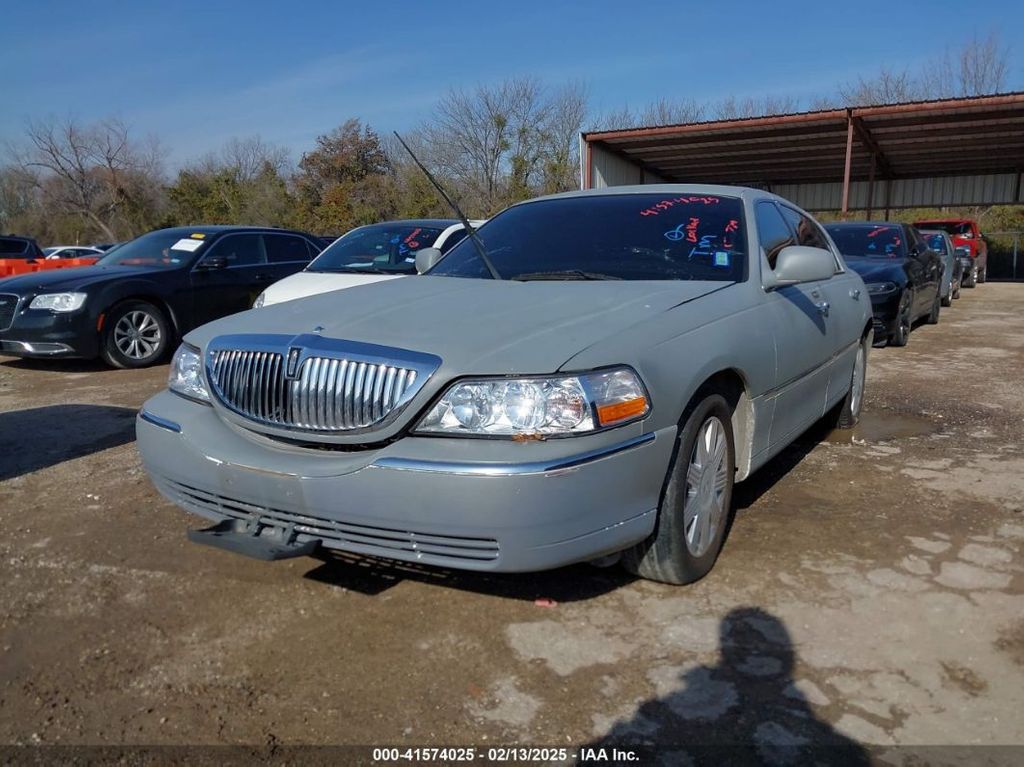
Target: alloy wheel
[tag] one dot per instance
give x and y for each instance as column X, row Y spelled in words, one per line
column 137, row 335
column 707, row 477
column 857, row 385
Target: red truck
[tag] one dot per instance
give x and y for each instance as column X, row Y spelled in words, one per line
column 964, row 233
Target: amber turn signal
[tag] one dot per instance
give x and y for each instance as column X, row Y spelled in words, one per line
column 621, row 411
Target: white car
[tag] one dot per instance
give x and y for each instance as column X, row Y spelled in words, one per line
column 72, row 251
column 367, row 254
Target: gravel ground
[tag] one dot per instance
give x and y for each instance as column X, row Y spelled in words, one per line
column 870, row 592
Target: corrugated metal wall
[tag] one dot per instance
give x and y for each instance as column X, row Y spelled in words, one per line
column 609, row 169
column 906, row 192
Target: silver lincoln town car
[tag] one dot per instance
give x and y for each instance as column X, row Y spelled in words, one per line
column 587, row 377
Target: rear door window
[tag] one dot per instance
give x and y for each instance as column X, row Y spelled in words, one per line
column 12, row 247
column 286, row 248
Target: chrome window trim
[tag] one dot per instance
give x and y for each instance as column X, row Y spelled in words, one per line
column 511, row 469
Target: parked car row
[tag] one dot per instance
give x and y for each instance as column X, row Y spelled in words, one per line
column 583, row 380
column 910, row 270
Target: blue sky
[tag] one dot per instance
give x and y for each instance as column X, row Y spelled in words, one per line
column 199, row 73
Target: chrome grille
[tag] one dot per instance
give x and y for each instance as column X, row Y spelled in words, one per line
column 340, row 387
column 8, row 306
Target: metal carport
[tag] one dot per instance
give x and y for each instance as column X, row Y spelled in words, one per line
column 965, row 151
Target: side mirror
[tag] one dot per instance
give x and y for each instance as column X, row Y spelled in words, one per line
column 426, row 258
column 213, row 262
column 800, row 263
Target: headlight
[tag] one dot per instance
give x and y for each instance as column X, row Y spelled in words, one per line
column 58, row 302
column 879, row 288
column 538, row 406
column 186, row 376
column 260, row 300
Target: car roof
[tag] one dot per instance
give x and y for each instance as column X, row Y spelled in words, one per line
column 864, row 223
column 185, row 231
column 437, row 223
column 742, row 192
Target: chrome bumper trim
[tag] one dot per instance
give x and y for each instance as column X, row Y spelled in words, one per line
column 510, row 469
column 163, row 423
column 35, row 347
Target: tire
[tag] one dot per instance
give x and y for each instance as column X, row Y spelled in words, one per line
column 933, row 315
column 848, row 413
column 947, row 300
column 971, row 278
column 136, row 334
column 983, row 274
column 901, row 334
column 957, row 287
column 695, row 506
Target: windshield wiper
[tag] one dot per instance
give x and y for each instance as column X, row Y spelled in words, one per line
column 356, row 270
column 473, row 236
column 565, row 274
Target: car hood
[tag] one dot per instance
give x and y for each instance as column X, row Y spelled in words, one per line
column 877, row 269
column 303, row 284
column 475, row 326
column 70, row 279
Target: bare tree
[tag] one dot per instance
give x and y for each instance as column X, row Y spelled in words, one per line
column 979, row 68
column 732, row 108
column 96, row 172
column 504, row 142
column 886, row 87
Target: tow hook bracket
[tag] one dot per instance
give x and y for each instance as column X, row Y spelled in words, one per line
column 254, row 538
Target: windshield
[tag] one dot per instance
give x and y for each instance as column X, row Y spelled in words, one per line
column 383, row 248
column 936, row 242
column 159, row 250
column 616, row 236
column 957, row 228
column 868, row 240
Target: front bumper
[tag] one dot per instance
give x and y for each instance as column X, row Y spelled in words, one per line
column 484, row 505
column 885, row 309
column 40, row 333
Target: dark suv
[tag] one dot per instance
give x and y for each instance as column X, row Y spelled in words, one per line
column 133, row 305
column 12, row 246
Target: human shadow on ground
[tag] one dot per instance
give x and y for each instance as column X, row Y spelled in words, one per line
column 745, row 710
column 40, row 437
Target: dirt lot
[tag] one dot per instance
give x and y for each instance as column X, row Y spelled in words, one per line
column 870, row 589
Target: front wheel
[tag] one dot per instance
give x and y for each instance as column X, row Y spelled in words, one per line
column 947, row 300
column 848, row 413
column 933, row 315
column 971, row 279
column 901, row 333
column 694, row 510
column 136, row 334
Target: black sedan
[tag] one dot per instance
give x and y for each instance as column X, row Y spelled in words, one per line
column 902, row 274
column 137, row 300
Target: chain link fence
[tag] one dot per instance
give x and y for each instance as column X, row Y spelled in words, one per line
column 1005, row 255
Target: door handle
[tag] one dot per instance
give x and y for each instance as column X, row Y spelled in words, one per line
column 823, row 308
column 855, row 294
column 262, row 276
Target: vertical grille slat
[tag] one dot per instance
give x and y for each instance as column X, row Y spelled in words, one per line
column 327, row 394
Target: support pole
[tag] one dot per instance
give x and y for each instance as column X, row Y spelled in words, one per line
column 888, row 195
column 871, row 186
column 849, row 157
